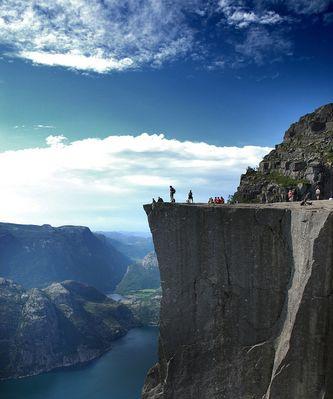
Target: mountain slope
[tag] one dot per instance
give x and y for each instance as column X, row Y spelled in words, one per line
column 35, row 256
column 133, row 245
column 302, row 162
column 140, row 275
column 64, row 324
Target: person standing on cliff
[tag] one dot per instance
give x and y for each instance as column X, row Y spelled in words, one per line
column 190, row 197
column 172, row 194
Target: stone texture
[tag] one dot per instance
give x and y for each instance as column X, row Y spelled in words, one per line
column 65, row 324
column 302, row 161
column 247, row 306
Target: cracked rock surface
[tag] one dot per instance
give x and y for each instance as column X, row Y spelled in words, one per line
column 247, row 309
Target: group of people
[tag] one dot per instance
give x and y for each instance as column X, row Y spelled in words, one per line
column 172, row 190
column 292, row 194
column 172, row 197
column 216, row 201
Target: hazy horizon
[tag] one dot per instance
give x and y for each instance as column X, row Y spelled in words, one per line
column 103, row 105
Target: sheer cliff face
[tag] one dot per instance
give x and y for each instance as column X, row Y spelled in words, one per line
column 247, row 308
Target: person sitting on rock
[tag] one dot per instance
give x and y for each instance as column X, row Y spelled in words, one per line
column 210, row 201
column 318, row 193
column 291, row 195
column 172, row 194
column 305, row 200
column 222, row 200
column 160, row 200
column 190, row 197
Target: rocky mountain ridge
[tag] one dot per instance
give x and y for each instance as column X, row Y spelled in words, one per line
column 303, row 161
column 36, row 256
column 65, row 324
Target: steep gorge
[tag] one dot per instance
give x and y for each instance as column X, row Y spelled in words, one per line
column 247, row 308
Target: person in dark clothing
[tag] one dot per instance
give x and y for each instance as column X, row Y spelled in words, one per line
column 160, row 200
column 172, row 194
column 190, row 197
column 305, row 200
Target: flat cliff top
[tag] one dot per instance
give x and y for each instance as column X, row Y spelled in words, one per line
column 326, row 205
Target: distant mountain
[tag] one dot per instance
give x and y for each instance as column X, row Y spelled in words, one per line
column 36, row 256
column 145, row 305
column 134, row 245
column 64, row 324
column 140, row 275
column 141, row 289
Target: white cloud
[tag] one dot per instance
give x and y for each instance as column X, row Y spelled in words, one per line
column 260, row 45
column 108, row 35
column 238, row 15
column 308, row 6
column 54, row 141
column 41, row 126
column 95, row 35
column 104, row 182
column 77, row 61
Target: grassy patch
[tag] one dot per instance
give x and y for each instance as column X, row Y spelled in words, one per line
column 285, row 181
column 329, row 156
column 144, row 294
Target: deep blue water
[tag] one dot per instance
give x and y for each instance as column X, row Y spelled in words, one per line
column 119, row 374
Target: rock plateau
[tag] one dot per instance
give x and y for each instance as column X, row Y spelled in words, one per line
column 247, row 305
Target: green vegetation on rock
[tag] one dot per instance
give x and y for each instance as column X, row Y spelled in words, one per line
column 302, row 161
column 140, row 276
column 141, row 290
column 64, row 324
column 145, row 305
column 285, row 181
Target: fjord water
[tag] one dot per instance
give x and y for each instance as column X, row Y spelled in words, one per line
column 119, row 374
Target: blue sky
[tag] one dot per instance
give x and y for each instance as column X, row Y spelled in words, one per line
column 229, row 74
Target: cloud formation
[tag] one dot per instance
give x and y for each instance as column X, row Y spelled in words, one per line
column 258, row 40
column 107, row 35
column 240, row 16
column 94, row 35
column 104, row 182
column 308, row 6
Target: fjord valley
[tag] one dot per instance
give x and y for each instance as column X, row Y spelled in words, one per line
column 140, row 289
column 62, row 325
column 58, row 316
column 166, row 199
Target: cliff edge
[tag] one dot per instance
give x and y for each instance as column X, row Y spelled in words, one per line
column 247, row 309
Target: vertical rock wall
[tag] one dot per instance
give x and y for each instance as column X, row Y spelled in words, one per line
column 247, row 307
